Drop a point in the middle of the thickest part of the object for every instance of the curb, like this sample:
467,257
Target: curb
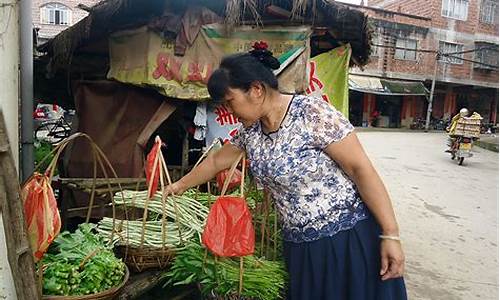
487,146
378,129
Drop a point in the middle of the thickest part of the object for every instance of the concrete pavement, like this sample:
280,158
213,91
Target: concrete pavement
486,141
448,214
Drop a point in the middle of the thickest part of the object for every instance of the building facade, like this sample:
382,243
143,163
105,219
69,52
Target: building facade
51,17
408,35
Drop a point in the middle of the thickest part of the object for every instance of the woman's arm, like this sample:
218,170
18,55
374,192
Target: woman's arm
220,160
351,157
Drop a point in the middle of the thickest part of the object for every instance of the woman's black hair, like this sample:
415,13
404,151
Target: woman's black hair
241,71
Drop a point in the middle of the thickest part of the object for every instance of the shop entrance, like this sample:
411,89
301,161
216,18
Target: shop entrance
356,108
390,111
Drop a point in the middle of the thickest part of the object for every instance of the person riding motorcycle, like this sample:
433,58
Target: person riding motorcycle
464,112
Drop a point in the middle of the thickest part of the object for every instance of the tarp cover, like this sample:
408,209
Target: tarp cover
405,87
143,57
328,77
120,119
374,85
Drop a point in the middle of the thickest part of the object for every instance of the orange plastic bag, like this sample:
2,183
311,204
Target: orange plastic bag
222,176
229,230
153,159
41,213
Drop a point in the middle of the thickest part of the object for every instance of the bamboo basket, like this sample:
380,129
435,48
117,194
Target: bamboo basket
139,259
109,294
142,258
101,160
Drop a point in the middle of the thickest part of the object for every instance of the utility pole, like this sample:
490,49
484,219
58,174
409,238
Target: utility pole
26,38
431,97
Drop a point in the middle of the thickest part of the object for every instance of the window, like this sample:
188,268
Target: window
456,9
489,12
55,13
406,54
377,40
486,53
445,48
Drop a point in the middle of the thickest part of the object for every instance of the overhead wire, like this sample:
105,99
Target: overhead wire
448,54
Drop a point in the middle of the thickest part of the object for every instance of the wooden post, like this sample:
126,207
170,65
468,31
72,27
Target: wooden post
185,155
18,249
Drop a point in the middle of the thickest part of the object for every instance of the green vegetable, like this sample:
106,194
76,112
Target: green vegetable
261,279
77,263
167,222
42,149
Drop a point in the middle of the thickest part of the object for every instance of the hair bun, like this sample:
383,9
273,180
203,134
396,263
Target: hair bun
265,56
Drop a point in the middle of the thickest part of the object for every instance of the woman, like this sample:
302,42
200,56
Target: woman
341,238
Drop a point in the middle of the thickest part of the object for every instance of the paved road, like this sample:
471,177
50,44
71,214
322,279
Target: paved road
448,214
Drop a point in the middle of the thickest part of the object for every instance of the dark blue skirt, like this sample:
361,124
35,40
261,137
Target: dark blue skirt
344,266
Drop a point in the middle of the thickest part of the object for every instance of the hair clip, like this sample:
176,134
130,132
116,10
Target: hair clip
260,45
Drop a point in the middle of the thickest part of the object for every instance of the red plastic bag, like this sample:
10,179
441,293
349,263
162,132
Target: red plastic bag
41,213
153,156
229,230
222,176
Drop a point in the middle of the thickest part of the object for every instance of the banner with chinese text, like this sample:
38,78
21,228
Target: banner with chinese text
220,124
142,57
329,77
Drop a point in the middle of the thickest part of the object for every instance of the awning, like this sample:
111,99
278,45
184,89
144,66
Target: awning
374,85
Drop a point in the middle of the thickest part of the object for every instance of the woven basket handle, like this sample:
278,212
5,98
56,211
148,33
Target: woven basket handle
231,174
205,153
98,158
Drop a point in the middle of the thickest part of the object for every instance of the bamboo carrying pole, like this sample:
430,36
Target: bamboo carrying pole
18,249
241,158
242,191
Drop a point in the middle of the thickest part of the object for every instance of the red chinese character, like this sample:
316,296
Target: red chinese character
313,79
167,67
232,134
208,74
224,116
196,72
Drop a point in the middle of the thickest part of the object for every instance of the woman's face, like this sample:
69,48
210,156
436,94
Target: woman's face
245,105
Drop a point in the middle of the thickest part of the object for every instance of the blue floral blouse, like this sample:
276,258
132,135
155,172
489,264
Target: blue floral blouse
313,195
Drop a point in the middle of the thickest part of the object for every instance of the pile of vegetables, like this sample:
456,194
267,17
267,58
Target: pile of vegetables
168,223
80,263
208,199
262,279
264,275
42,149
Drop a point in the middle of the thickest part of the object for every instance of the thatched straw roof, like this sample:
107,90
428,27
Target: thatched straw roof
344,24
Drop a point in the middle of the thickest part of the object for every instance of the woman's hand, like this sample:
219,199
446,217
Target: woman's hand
393,260
206,170
176,188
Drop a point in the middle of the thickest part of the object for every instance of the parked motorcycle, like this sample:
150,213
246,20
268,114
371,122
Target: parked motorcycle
418,124
460,148
441,124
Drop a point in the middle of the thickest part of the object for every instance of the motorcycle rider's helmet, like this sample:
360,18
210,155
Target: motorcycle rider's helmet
464,112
